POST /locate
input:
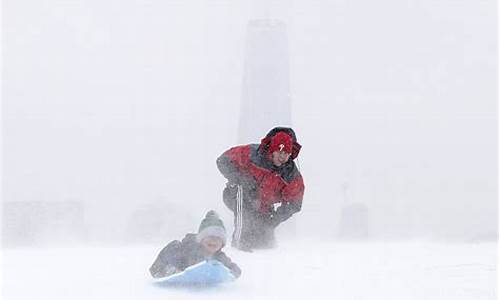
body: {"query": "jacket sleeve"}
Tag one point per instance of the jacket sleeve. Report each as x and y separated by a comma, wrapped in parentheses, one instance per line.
(233, 164)
(175, 254)
(168, 256)
(292, 196)
(226, 167)
(226, 261)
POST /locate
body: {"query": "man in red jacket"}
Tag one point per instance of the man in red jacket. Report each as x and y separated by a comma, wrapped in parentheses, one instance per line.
(264, 187)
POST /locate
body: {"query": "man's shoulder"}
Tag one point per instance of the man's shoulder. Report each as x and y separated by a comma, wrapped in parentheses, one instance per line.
(240, 152)
(247, 147)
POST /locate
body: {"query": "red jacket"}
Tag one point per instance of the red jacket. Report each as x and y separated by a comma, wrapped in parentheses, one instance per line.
(251, 165)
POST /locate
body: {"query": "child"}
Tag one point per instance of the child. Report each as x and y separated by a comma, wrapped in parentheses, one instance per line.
(195, 248)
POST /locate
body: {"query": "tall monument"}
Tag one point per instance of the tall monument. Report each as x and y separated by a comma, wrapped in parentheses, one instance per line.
(265, 99)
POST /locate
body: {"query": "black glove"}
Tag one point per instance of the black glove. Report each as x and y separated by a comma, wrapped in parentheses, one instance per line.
(235, 270)
(284, 212)
(229, 195)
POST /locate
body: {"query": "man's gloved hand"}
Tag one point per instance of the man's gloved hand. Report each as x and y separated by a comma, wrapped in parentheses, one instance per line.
(229, 195)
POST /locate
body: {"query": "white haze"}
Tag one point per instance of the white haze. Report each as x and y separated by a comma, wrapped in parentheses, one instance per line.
(120, 108)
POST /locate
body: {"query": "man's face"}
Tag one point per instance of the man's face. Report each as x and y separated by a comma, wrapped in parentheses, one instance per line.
(211, 244)
(280, 157)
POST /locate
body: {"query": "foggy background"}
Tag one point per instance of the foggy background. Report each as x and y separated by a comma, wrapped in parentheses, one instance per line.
(113, 113)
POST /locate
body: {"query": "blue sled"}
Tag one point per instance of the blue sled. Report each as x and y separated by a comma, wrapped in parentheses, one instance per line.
(209, 272)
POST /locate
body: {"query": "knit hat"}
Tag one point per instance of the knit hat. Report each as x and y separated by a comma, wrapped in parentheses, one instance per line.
(265, 143)
(281, 142)
(211, 225)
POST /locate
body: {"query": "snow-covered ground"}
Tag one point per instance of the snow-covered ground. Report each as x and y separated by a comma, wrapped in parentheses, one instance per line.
(295, 270)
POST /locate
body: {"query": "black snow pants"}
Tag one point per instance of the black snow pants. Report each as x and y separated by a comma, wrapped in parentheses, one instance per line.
(252, 229)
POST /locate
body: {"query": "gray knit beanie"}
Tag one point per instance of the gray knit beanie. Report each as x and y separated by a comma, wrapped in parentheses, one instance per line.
(212, 225)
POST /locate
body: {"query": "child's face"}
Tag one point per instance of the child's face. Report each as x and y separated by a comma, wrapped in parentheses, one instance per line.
(211, 244)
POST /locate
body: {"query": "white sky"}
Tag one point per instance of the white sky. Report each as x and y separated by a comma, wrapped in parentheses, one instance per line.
(126, 104)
